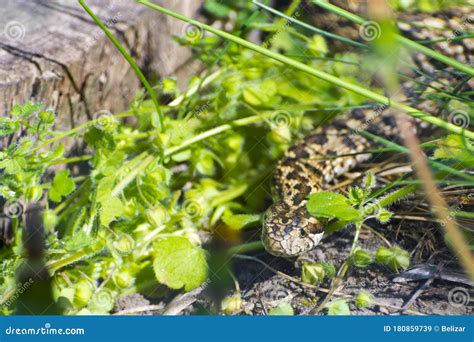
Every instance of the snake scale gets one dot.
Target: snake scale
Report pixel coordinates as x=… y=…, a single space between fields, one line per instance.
x=288 y=229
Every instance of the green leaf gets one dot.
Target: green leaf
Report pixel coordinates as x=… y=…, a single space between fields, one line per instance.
x=384 y=215
x=312 y=273
x=364 y=299
x=26 y=109
x=283 y=309
x=169 y=86
x=13 y=166
x=7 y=126
x=395 y=258
x=339 y=308
x=318 y=46
x=102 y=301
x=62 y=186
x=99 y=138
x=369 y=181
x=232 y=304
x=260 y=94
x=356 y=195
x=111 y=207
x=178 y=264
x=456 y=147
x=361 y=258
x=204 y=161
x=331 y=205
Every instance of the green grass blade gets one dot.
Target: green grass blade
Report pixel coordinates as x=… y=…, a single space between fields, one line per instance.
x=129 y=59
x=316 y=73
x=405 y=41
x=309 y=27
x=435 y=164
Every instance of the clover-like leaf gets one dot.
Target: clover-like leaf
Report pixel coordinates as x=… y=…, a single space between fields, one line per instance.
x=178 y=264
x=331 y=205
x=339 y=308
x=395 y=258
x=62 y=186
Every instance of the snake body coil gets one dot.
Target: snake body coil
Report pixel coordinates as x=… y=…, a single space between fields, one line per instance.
x=334 y=149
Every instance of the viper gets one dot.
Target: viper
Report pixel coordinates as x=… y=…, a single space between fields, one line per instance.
x=332 y=150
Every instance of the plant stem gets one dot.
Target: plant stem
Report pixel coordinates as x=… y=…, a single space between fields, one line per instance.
x=405 y=41
x=319 y=74
x=129 y=59
x=74 y=130
x=219 y=129
x=193 y=90
x=341 y=273
x=71 y=160
x=383 y=202
x=309 y=27
x=75 y=257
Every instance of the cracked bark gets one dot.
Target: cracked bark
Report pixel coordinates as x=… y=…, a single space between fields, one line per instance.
x=51 y=52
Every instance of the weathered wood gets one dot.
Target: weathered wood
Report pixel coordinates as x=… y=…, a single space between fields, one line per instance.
x=52 y=52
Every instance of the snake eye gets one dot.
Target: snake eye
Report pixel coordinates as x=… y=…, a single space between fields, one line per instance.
x=303 y=233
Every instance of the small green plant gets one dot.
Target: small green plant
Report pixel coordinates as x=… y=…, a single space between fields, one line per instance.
x=359 y=206
x=356 y=208
x=316 y=273
x=283 y=309
x=364 y=299
x=338 y=308
x=194 y=159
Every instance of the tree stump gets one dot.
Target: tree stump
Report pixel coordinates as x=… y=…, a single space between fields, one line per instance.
x=52 y=52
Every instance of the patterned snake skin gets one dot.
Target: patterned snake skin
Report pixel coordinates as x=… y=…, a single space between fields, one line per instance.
x=288 y=229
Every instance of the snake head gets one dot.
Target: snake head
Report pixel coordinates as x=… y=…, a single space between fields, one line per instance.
x=289 y=231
